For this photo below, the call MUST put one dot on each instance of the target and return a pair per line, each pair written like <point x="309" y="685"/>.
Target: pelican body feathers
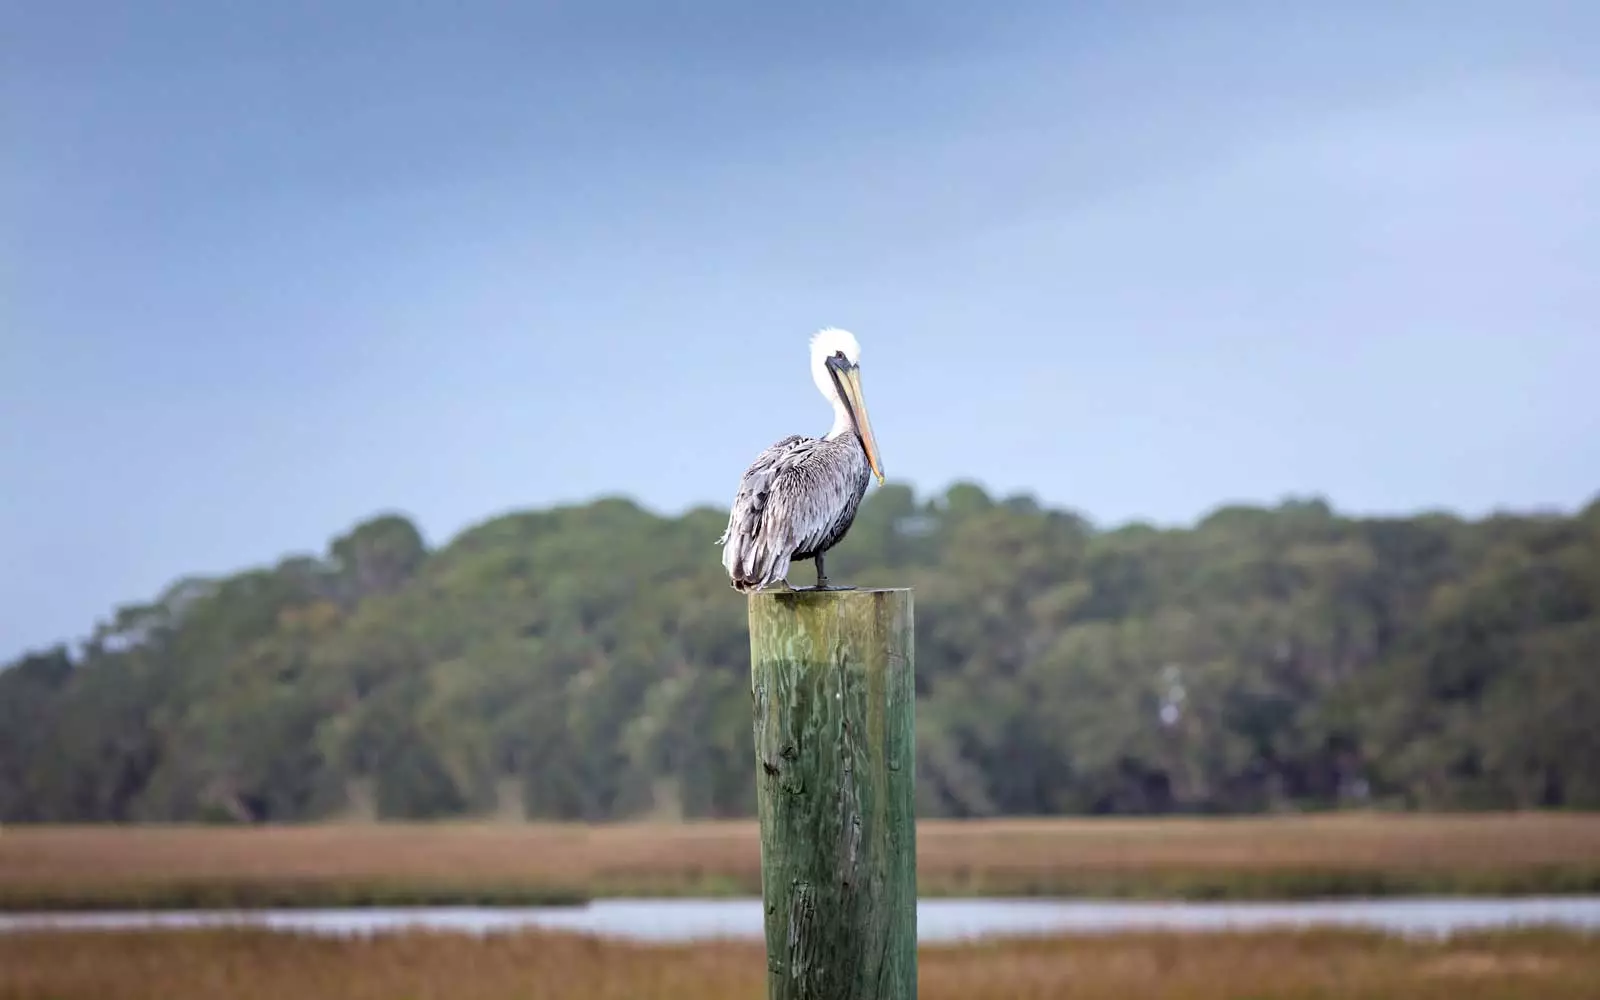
<point x="796" y="501"/>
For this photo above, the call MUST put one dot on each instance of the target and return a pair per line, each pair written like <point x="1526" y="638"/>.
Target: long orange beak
<point x="850" y="384"/>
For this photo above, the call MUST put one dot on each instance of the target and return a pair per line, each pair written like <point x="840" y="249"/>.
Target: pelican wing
<point x="789" y="500"/>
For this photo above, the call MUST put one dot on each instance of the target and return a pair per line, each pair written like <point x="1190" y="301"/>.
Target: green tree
<point x="590" y="662"/>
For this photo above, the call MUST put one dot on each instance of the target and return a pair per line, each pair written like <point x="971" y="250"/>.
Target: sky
<point x="267" y="270"/>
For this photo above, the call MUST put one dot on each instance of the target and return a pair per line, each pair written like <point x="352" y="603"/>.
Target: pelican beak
<point x="848" y="378"/>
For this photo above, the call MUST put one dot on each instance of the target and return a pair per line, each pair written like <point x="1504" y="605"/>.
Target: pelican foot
<point x="822" y="577"/>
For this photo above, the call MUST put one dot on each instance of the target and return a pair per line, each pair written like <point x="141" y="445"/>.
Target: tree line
<point x="589" y="662"/>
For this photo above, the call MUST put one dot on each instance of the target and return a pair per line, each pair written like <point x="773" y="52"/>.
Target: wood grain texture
<point x="832" y="682"/>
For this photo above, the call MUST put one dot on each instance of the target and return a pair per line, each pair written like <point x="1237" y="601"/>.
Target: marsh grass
<point x="502" y="864"/>
<point x="264" y="965"/>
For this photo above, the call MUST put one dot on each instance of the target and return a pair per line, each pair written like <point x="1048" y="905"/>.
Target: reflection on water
<point x="937" y="919"/>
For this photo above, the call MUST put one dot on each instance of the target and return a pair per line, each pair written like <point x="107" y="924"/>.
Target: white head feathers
<point x="824" y="345"/>
<point x="831" y="340"/>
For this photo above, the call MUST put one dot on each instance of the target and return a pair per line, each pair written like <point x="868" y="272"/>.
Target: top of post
<point x="831" y="591"/>
<point x="807" y="594"/>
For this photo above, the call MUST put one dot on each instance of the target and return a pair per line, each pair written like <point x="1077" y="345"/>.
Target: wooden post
<point x="831" y="676"/>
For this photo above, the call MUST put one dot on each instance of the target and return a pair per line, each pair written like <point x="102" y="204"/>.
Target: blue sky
<point x="268" y="269"/>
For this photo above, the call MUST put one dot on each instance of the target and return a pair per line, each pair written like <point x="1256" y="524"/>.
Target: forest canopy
<point x="590" y="662"/>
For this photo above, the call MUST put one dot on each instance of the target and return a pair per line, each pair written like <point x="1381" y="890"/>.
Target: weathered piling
<point x="831" y="675"/>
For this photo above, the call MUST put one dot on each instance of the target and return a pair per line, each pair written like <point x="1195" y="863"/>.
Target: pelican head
<point x="836" y="368"/>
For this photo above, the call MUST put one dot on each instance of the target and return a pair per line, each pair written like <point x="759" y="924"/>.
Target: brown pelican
<point x="798" y="498"/>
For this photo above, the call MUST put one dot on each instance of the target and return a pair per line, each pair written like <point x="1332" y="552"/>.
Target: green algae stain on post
<point x="833" y="689"/>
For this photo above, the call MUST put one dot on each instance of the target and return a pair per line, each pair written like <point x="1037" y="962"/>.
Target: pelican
<point x="799" y="497"/>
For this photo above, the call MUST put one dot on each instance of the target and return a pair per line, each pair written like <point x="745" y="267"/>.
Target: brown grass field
<point x="264" y="965"/>
<point x="375" y="864"/>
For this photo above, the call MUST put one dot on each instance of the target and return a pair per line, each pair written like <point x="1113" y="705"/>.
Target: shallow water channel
<point x="937" y="919"/>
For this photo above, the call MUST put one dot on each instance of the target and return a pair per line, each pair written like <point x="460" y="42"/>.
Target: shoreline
<point x="1269" y="859"/>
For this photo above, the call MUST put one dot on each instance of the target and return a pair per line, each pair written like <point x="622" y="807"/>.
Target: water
<point x="937" y="919"/>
